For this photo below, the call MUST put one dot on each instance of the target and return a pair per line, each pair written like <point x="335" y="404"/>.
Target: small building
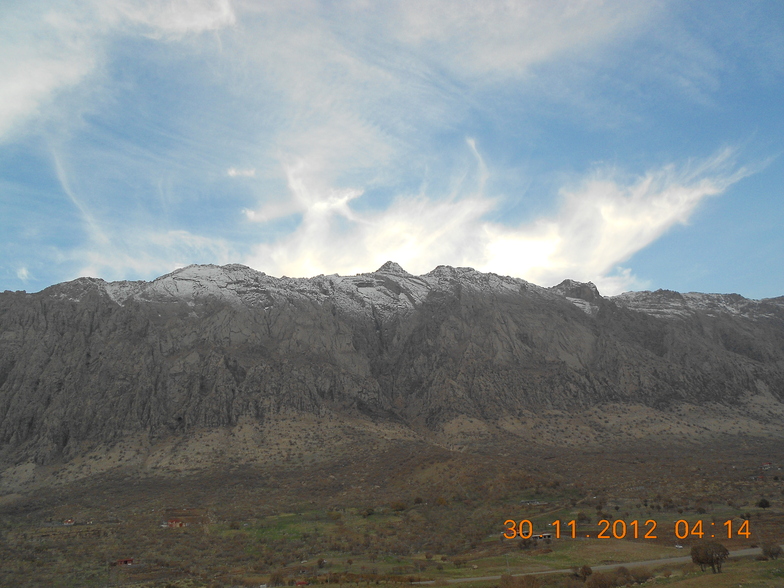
<point x="128" y="561"/>
<point x="176" y="523"/>
<point x="68" y="522"/>
<point x="544" y="536"/>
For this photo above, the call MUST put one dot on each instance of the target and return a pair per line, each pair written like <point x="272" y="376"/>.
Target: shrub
<point x="641" y="575"/>
<point x="771" y="550"/>
<point x="623" y="576"/>
<point x="600" y="580"/>
<point x="763" y="503"/>
<point x="398" y="506"/>
<point x="583" y="572"/>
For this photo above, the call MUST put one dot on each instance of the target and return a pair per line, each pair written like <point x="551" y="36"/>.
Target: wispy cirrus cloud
<point x="150" y="252"/>
<point x="505" y="39"/>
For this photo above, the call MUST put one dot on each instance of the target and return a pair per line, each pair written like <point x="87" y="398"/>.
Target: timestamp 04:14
<point x="620" y="529"/>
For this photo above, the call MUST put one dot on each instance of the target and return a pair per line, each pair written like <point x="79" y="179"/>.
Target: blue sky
<point x="638" y="145"/>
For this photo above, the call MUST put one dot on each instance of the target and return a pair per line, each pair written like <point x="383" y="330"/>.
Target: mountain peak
<point x="391" y="267"/>
<point x="583" y="290"/>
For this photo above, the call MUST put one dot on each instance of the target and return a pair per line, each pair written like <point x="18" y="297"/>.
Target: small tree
<point x="763" y="503"/>
<point x="710" y="554"/>
<point x="583" y="572"/>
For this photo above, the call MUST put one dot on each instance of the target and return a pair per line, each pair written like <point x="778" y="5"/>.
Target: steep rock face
<point x="89" y="362"/>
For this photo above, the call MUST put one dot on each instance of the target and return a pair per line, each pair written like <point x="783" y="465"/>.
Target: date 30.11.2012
<point x="620" y="529"/>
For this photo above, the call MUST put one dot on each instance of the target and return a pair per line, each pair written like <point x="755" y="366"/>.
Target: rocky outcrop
<point x="89" y="362"/>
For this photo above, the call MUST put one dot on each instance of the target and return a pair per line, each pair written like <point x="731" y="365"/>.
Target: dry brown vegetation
<point x="407" y="511"/>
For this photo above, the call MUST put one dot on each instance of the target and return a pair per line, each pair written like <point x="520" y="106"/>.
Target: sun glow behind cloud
<point x="600" y="223"/>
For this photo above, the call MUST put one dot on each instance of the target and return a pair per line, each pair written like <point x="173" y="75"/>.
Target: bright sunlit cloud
<point x="600" y="223"/>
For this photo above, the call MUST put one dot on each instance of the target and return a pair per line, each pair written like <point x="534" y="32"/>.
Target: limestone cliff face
<point x="88" y="362"/>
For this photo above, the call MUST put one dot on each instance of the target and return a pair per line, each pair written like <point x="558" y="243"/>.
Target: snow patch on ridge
<point x="669" y="304"/>
<point x="390" y="290"/>
<point x="393" y="291"/>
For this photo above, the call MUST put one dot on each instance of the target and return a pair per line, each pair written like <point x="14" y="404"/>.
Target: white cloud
<point x="236" y="172"/>
<point x="175" y="18"/>
<point x="604" y="220"/>
<point x="362" y="84"/>
<point x="42" y="51"/>
<point x="601" y="222"/>
<point x="503" y="38"/>
<point x="23" y="274"/>
<point x="48" y="47"/>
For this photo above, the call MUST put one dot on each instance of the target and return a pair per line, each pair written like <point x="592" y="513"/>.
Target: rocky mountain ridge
<point x="89" y="363"/>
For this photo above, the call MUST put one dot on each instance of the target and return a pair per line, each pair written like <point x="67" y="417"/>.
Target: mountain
<point x="87" y="365"/>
